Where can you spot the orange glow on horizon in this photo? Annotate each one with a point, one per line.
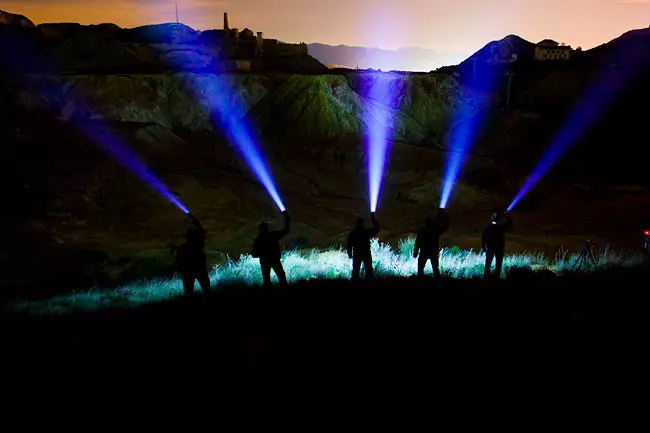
(421, 23)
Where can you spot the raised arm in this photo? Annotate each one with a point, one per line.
(287, 225)
(508, 224)
(444, 223)
(196, 223)
(375, 225)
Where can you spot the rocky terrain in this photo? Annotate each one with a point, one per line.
(79, 219)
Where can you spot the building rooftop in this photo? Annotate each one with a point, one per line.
(555, 47)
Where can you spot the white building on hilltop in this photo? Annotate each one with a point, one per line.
(551, 50)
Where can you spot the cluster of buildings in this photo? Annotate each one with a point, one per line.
(510, 50)
(245, 50)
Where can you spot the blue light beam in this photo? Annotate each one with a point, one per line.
(120, 153)
(588, 110)
(460, 144)
(216, 89)
(383, 93)
(106, 142)
(238, 133)
(230, 114)
(467, 122)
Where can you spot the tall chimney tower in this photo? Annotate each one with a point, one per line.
(225, 21)
(260, 41)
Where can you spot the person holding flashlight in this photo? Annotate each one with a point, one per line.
(267, 248)
(493, 242)
(359, 247)
(427, 243)
(191, 260)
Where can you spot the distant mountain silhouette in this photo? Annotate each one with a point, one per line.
(509, 48)
(404, 59)
(632, 49)
(8, 18)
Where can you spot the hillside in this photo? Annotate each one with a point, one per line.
(81, 219)
(73, 202)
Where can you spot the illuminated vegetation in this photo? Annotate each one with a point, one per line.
(317, 264)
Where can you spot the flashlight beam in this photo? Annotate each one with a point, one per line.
(589, 110)
(120, 153)
(382, 98)
(230, 115)
(468, 122)
(242, 138)
(602, 91)
(461, 143)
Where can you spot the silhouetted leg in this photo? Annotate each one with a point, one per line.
(422, 263)
(435, 264)
(188, 283)
(266, 272)
(489, 256)
(356, 268)
(367, 265)
(204, 281)
(499, 262)
(279, 272)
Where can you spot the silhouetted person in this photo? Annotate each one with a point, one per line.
(646, 244)
(494, 241)
(359, 247)
(267, 249)
(427, 244)
(190, 258)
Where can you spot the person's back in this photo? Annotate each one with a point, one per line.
(189, 257)
(267, 244)
(427, 242)
(359, 239)
(494, 235)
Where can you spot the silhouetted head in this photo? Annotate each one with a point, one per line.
(264, 228)
(429, 221)
(360, 223)
(495, 218)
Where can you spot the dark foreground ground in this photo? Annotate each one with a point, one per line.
(532, 352)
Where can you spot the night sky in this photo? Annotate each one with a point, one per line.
(459, 26)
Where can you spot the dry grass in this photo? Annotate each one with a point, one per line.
(330, 264)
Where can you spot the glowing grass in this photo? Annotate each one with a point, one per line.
(316, 264)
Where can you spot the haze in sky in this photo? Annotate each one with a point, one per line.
(460, 26)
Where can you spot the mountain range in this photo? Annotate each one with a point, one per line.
(405, 59)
